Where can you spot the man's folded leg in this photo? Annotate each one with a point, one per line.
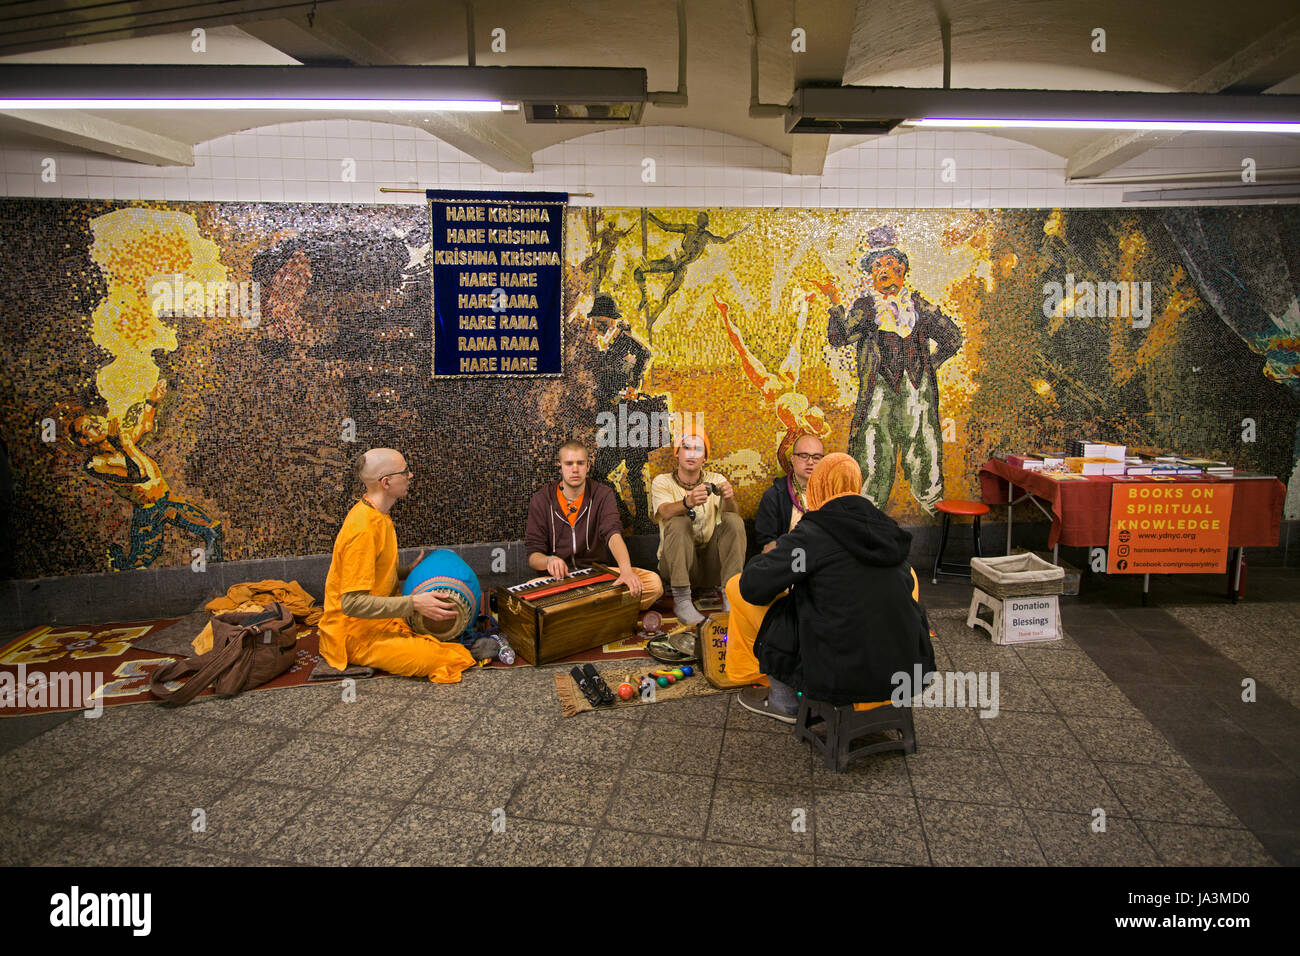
(395, 648)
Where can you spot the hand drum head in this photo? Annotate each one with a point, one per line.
(447, 576)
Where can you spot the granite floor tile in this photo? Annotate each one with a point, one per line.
(1216, 743)
(388, 770)
(308, 760)
(664, 803)
(332, 830)
(1022, 692)
(870, 826)
(738, 718)
(772, 758)
(1123, 741)
(846, 863)
(1089, 698)
(430, 836)
(621, 848)
(1262, 801)
(79, 736)
(1167, 794)
(26, 842)
(79, 796)
(1070, 839)
(588, 739)
(941, 774)
(677, 748)
(954, 727)
(878, 773)
(30, 767)
(248, 815)
(293, 708)
(473, 780)
(162, 807)
(1146, 670)
(97, 849)
(967, 834)
(1026, 733)
(762, 815)
(1183, 845)
(533, 843)
(730, 854)
(367, 716)
(434, 723)
(1060, 664)
(561, 791)
(159, 744)
(708, 711)
(231, 749)
(986, 659)
(1069, 784)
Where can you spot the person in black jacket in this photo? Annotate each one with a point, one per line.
(788, 495)
(832, 611)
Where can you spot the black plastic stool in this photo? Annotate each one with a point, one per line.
(845, 725)
(950, 507)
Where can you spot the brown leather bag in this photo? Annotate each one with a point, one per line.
(249, 648)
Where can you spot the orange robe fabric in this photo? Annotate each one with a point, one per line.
(742, 631)
(365, 559)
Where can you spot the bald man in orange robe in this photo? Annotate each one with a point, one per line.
(367, 621)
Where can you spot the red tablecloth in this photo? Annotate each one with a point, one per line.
(1081, 509)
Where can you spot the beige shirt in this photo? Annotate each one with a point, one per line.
(664, 490)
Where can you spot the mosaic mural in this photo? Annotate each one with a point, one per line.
(193, 379)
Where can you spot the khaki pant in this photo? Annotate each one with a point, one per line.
(684, 563)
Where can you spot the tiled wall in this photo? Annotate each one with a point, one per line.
(303, 162)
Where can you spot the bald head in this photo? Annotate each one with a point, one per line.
(377, 464)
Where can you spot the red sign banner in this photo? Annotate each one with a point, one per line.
(1169, 528)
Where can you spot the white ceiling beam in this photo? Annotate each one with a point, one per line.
(808, 154)
(99, 135)
(1104, 153)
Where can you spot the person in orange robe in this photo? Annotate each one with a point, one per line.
(367, 621)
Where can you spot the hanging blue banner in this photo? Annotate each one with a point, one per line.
(498, 283)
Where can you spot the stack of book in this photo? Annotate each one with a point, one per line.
(1219, 469)
(1096, 449)
(1095, 465)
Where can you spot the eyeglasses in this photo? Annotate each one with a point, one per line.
(808, 456)
(391, 474)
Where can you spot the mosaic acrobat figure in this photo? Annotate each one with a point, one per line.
(695, 240)
(619, 371)
(901, 340)
(607, 239)
(116, 460)
(782, 389)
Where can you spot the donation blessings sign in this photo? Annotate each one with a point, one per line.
(498, 262)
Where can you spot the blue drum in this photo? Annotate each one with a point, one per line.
(446, 575)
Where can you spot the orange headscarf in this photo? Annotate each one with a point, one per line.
(696, 429)
(835, 476)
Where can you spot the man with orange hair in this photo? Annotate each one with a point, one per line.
(701, 537)
(832, 611)
(366, 621)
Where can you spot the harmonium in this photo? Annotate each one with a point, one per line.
(549, 619)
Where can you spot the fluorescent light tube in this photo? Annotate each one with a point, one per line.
(358, 105)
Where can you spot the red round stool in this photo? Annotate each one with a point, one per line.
(950, 507)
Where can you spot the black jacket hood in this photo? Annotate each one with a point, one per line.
(863, 530)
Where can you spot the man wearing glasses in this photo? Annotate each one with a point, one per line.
(367, 621)
(784, 503)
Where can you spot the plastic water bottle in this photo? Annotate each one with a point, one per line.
(506, 654)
